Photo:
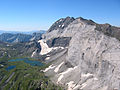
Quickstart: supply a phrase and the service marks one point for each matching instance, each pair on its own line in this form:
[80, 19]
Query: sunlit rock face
[61, 23]
[89, 59]
[98, 55]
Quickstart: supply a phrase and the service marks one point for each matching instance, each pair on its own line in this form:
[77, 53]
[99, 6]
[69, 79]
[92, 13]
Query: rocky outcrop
[91, 58]
[60, 41]
[109, 30]
[61, 23]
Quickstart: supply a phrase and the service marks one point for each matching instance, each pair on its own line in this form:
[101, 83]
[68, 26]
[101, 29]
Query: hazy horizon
[21, 30]
[29, 15]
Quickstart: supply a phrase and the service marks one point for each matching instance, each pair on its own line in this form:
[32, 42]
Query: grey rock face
[92, 59]
[60, 41]
[37, 35]
[61, 23]
[89, 22]
[109, 30]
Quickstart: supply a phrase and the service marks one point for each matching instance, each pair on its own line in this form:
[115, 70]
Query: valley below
[24, 74]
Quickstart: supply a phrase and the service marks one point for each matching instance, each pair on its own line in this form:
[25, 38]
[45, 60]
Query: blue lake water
[26, 60]
[10, 67]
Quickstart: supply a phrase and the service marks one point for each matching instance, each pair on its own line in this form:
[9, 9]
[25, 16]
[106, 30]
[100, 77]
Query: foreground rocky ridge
[85, 54]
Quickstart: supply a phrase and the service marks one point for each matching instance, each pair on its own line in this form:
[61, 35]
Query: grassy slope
[26, 77]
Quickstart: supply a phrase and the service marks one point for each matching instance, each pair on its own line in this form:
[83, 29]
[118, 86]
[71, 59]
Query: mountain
[61, 23]
[84, 55]
[81, 54]
[38, 35]
[19, 37]
[16, 32]
[8, 37]
[19, 49]
[13, 32]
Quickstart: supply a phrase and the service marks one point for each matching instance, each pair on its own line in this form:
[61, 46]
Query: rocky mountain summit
[61, 23]
[85, 55]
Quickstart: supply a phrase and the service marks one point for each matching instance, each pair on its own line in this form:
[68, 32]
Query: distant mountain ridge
[8, 37]
[20, 37]
[22, 32]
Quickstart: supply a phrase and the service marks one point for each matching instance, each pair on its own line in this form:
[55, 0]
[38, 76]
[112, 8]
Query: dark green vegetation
[18, 49]
[24, 77]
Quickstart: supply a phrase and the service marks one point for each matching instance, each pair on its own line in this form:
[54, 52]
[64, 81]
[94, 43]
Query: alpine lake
[24, 74]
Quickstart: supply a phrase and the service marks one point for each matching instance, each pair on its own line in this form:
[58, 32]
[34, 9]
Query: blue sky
[27, 15]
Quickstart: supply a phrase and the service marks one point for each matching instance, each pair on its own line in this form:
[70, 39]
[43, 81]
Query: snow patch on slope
[33, 53]
[83, 85]
[63, 73]
[50, 67]
[86, 75]
[71, 84]
[57, 69]
[47, 58]
[44, 47]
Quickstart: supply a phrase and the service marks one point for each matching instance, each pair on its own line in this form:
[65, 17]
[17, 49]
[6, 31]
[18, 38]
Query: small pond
[26, 60]
[10, 67]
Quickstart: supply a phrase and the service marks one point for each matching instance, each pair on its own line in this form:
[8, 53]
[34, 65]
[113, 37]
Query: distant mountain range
[15, 32]
[14, 37]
